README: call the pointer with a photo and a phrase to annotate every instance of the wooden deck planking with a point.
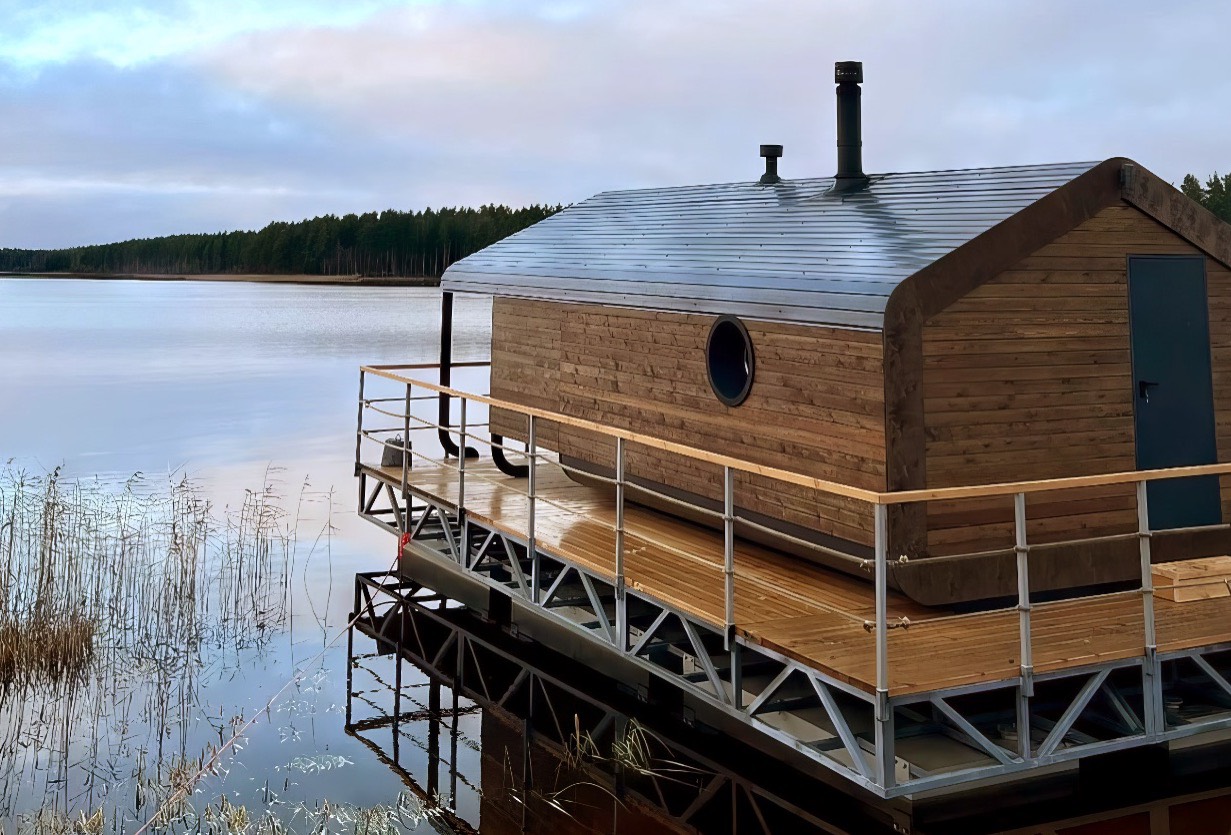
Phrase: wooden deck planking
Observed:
(808, 613)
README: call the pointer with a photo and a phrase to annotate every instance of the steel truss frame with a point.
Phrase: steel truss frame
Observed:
(1009, 726)
(394, 612)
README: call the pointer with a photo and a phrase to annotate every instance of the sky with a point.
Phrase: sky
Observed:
(125, 120)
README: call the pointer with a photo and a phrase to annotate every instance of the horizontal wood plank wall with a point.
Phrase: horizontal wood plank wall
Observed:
(816, 405)
(525, 367)
(1030, 376)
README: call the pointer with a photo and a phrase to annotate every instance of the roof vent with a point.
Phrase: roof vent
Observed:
(771, 154)
(850, 177)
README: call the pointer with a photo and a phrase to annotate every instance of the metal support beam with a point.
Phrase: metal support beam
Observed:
(728, 552)
(1025, 689)
(532, 550)
(649, 633)
(406, 445)
(1072, 712)
(359, 425)
(770, 689)
(461, 464)
(1151, 669)
(974, 734)
(621, 596)
(515, 567)
(838, 720)
(883, 711)
(703, 658)
(600, 611)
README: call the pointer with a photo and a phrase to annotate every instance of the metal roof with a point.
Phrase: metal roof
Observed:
(794, 251)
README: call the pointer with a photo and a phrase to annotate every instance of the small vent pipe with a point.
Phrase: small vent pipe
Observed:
(771, 154)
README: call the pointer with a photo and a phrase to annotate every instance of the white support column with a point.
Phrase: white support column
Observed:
(1155, 717)
(1025, 688)
(621, 600)
(531, 548)
(728, 551)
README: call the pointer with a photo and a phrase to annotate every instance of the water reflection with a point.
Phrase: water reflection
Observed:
(495, 734)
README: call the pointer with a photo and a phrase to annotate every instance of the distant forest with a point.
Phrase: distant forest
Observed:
(1215, 195)
(388, 243)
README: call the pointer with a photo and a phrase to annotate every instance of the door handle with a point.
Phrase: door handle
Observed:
(1143, 389)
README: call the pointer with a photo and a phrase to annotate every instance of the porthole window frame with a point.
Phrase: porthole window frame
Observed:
(726, 397)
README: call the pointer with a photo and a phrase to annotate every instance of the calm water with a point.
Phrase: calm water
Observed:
(243, 387)
(236, 385)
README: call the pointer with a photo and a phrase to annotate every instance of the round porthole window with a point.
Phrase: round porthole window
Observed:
(729, 361)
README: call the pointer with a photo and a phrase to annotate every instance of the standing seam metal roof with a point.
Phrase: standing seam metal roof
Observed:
(794, 251)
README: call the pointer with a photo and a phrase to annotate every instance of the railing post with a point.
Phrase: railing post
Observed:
(621, 601)
(728, 551)
(461, 463)
(406, 448)
(883, 712)
(359, 427)
(1155, 717)
(531, 549)
(1025, 689)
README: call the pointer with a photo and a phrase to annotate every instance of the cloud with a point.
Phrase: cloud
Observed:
(653, 91)
(130, 32)
(301, 111)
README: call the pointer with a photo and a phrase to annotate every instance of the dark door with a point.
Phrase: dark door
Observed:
(1174, 412)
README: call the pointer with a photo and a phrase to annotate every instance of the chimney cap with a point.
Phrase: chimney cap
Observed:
(848, 71)
(769, 151)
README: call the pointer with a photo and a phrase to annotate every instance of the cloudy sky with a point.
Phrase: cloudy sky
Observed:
(132, 119)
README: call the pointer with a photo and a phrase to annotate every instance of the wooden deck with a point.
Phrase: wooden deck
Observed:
(808, 613)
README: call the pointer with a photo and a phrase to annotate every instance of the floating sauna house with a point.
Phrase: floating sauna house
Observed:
(896, 331)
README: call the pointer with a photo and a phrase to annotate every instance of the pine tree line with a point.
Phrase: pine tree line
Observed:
(388, 243)
(1215, 195)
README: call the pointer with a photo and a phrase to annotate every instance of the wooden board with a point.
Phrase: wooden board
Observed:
(1198, 579)
(805, 612)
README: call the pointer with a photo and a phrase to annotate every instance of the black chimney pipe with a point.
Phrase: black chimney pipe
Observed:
(849, 75)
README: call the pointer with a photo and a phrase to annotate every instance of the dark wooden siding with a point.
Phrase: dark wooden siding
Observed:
(816, 406)
(1029, 376)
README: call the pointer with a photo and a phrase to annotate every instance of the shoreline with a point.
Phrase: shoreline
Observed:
(251, 278)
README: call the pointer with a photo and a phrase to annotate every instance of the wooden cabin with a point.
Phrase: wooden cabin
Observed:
(892, 332)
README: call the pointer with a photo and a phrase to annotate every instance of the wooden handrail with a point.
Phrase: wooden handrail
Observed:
(873, 497)
(870, 496)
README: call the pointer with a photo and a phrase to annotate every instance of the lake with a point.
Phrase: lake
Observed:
(183, 450)
(237, 386)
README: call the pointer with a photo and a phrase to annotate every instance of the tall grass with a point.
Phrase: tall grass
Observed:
(114, 597)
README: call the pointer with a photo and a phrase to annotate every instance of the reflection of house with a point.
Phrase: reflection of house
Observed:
(890, 332)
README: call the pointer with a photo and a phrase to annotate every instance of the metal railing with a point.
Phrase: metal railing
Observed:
(878, 501)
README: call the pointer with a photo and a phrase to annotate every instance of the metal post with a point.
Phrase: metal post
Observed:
(461, 465)
(359, 424)
(406, 446)
(621, 601)
(883, 712)
(728, 550)
(1156, 721)
(398, 611)
(1025, 689)
(350, 656)
(531, 548)
(459, 677)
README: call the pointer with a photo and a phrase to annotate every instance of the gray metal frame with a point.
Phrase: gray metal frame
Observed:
(396, 612)
(1035, 719)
